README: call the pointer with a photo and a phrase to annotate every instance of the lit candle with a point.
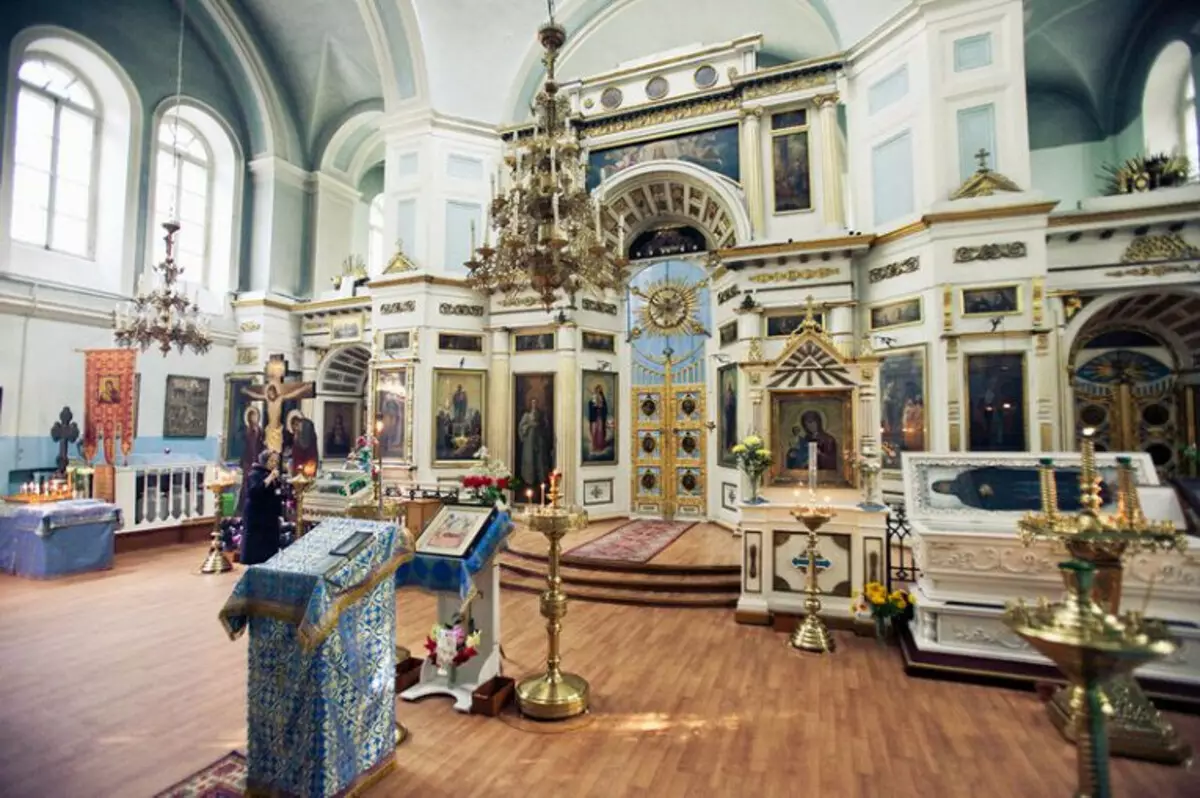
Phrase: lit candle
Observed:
(529, 496)
(543, 494)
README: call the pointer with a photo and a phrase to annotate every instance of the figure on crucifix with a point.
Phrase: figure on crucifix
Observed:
(274, 393)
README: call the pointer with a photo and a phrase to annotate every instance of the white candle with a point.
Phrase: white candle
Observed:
(472, 237)
(812, 465)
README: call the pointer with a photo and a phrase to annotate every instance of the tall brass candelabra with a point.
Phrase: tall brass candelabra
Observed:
(216, 562)
(1090, 647)
(811, 634)
(1139, 731)
(301, 484)
(553, 695)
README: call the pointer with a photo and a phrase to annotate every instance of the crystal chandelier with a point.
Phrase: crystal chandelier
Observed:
(548, 233)
(163, 314)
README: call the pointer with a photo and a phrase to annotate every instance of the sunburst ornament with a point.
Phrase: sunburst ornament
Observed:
(670, 308)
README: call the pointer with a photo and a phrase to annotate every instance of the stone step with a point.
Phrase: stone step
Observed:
(627, 580)
(621, 595)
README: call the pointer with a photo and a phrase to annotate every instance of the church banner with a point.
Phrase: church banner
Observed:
(110, 396)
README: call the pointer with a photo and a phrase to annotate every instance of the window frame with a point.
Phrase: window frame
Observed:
(97, 117)
(171, 117)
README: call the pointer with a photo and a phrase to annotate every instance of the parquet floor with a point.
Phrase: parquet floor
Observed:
(119, 684)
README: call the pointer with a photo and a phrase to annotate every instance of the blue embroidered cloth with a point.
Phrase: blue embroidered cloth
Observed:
(448, 574)
(59, 538)
(322, 684)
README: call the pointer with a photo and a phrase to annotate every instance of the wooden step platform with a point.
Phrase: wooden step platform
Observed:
(632, 596)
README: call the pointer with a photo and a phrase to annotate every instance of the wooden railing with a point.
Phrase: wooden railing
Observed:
(153, 496)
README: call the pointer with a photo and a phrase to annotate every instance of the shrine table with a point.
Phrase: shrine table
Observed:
(43, 541)
(322, 690)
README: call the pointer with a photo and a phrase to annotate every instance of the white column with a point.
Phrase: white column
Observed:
(333, 229)
(832, 208)
(751, 166)
(277, 242)
(868, 428)
(500, 433)
(310, 360)
(566, 410)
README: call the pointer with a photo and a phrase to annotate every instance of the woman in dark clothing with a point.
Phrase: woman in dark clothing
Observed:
(264, 510)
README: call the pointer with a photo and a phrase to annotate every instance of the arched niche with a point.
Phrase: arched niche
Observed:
(344, 371)
(655, 194)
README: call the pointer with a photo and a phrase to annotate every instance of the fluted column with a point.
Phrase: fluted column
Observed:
(566, 410)
(500, 434)
(868, 427)
(751, 166)
(832, 209)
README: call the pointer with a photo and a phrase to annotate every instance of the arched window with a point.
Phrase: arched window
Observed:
(183, 193)
(197, 179)
(54, 164)
(1169, 104)
(70, 164)
(376, 256)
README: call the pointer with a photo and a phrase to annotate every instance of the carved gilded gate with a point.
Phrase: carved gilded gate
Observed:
(668, 306)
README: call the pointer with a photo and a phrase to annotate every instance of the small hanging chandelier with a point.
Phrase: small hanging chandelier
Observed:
(548, 232)
(163, 314)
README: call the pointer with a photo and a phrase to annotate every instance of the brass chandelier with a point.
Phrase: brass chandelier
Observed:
(548, 233)
(163, 314)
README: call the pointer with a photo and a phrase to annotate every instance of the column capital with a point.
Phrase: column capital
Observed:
(826, 100)
(751, 112)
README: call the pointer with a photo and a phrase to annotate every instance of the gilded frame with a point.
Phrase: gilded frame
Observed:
(987, 314)
(818, 316)
(473, 336)
(774, 134)
(381, 337)
(512, 344)
(965, 416)
(611, 338)
(483, 379)
(373, 413)
(357, 319)
(251, 378)
(849, 400)
(918, 299)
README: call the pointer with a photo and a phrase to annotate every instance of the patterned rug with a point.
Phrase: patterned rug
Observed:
(637, 541)
(225, 778)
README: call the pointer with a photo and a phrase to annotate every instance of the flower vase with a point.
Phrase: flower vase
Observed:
(883, 629)
(754, 497)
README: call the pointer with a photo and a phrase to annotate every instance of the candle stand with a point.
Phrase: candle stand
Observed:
(812, 634)
(216, 562)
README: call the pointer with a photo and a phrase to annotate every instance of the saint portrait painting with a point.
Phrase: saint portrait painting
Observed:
(789, 163)
(727, 407)
(996, 402)
(902, 405)
(533, 425)
(801, 419)
(341, 431)
(599, 439)
(458, 423)
(391, 408)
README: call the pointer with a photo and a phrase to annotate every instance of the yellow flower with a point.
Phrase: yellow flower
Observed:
(876, 594)
(738, 449)
(753, 441)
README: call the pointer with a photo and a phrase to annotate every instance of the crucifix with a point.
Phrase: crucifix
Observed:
(64, 432)
(274, 393)
(982, 157)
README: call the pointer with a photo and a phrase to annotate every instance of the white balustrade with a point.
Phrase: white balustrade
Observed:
(154, 495)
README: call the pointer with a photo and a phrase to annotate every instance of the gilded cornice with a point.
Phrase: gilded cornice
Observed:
(1071, 218)
(412, 279)
(772, 250)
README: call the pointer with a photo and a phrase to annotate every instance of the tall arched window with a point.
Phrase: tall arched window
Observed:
(1169, 104)
(54, 169)
(183, 193)
(376, 257)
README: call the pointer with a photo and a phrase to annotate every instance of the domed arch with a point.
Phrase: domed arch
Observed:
(344, 370)
(656, 192)
(1168, 315)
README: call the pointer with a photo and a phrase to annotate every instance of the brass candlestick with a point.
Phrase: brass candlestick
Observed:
(553, 695)
(812, 634)
(1138, 730)
(216, 562)
(301, 484)
(1090, 647)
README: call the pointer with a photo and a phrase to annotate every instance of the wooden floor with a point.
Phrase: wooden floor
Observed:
(121, 683)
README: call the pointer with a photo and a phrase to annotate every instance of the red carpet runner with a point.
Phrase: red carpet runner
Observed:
(637, 541)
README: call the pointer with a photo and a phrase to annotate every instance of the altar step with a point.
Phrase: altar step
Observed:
(632, 584)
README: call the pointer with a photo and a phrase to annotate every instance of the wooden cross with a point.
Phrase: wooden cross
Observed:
(982, 157)
(274, 393)
(64, 432)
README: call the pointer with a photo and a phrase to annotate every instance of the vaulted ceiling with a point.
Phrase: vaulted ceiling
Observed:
(479, 59)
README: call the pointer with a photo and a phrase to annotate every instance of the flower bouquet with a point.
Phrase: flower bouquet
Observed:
(753, 459)
(488, 479)
(450, 645)
(883, 606)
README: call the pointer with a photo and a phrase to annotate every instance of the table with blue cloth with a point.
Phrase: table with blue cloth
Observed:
(472, 582)
(57, 538)
(322, 679)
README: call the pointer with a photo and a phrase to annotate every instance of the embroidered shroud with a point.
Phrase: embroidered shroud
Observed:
(108, 413)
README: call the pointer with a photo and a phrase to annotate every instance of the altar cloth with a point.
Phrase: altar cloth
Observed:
(439, 574)
(43, 541)
(321, 706)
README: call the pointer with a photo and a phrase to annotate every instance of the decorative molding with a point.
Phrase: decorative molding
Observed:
(520, 301)
(637, 120)
(983, 559)
(249, 326)
(1169, 246)
(979, 636)
(315, 326)
(446, 309)
(795, 275)
(609, 308)
(1039, 302)
(947, 309)
(728, 293)
(393, 308)
(247, 355)
(906, 266)
(1011, 249)
(1161, 270)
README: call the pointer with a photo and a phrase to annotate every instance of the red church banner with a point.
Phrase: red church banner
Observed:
(110, 396)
